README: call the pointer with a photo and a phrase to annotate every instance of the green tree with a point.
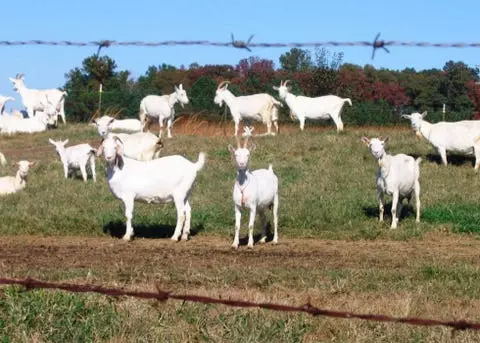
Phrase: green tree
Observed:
(296, 60)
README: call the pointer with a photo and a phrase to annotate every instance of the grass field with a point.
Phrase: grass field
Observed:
(332, 250)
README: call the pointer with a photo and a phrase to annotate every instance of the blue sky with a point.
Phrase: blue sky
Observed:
(269, 21)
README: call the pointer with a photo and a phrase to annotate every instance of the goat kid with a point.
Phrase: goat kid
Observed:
(162, 180)
(397, 175)
(256, 190)
(76, 157)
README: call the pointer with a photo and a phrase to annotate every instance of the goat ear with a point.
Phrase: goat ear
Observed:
(424, 114)
(275, 88)
(406, 116)
(51, 141)
(33, 163)
(365, 140)
(252, 147)
(231, 149)
(11, 80)
(111, 121)
(94, 122)
(65, 142)
(176, 88)
(385, 140)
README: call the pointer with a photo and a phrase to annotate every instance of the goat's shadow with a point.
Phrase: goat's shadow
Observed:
(454, 159)
(374, 212)
(117, 229)
(257, 237)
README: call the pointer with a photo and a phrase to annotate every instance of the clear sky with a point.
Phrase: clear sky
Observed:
(269, 21)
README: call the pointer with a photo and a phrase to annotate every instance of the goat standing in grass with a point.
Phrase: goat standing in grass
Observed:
(303, 107)
(13, 184)
(162, 180)
(256, 191)
(462, 137)
(398, 176)
(162, 107)
(76, 157)
(259, 107)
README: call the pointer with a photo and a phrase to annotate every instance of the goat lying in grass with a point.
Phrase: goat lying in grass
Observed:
(398, 176)
(76, 157)
(255, 190)
(462, 137)
(131, 125)
(162, 180)
(13, 184)
(141, 146)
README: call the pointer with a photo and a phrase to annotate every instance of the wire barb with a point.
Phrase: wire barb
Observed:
(378, 44)
(240, 44)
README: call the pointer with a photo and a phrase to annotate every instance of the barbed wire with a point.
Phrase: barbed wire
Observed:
(247, 45)
(160, 295)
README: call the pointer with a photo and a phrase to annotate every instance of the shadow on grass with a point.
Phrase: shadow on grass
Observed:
(117, 229)
(373, 212)
(456, 160)
(257, 236)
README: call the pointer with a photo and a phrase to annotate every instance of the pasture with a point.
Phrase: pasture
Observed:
(332, 250)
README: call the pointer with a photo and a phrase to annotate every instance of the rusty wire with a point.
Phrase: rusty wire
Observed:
(247, 45)
(160, 295)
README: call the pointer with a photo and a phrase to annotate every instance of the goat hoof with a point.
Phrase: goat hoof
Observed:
(262, 240)
(127, 238)
(250, 245)
(275, 241)
(184, 237)
(174, 238)
(235, 246)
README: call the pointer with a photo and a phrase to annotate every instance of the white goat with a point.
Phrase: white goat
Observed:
(322, 107)
(462, 137)
(133, 125)
(142, 146)
(35, 99)
(28, 125)
(162, 107)
(259, 107)
(162, 180)
(256, 191)
(3, 160)
(13, 184)
(76, 157)
(3, 102)
(397, 175)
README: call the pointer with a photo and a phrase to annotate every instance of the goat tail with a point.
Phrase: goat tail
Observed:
(418, 161)
(201, 161)
(270, 168)
(3, 160)
(276, 102)
(348, 100)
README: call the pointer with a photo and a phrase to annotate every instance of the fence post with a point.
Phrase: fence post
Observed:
(100, 89)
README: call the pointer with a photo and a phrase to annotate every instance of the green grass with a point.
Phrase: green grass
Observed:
(327, 188)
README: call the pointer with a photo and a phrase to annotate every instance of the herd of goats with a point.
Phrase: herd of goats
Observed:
(171, 178)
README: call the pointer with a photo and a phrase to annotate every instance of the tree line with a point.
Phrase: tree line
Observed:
(379, 96)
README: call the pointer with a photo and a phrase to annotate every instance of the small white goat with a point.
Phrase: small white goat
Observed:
(397, 175)
(162, 107)
(131, 125)
(259, 107)
(142, 146)
(76, 157)
(462, 137)
(303, 107)
(10, 125)
(162, 180)
(13, 184)
(256, 191)
(3, 102)
(35, 99)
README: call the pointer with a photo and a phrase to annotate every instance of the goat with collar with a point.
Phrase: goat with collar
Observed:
(256, 190)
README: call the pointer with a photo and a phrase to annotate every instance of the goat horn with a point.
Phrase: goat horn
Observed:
(281, 83)
(222, 84)
(286, 82)
(239, 143)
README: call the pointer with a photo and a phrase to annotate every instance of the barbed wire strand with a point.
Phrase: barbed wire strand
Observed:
(161, 295)
(247, 45)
